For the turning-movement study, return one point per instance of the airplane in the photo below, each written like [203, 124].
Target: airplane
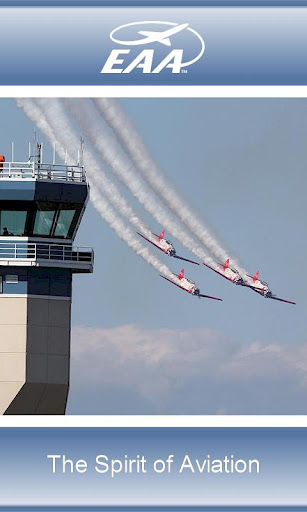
[256, 284]
[188, 286]
[165, 246]
[261, 287]
[227, 272]
[153, 36]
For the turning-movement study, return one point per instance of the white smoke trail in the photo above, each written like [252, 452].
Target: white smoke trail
[127, 235]
[134, 146]
[99, 178]
[106, 145]
[54, 133]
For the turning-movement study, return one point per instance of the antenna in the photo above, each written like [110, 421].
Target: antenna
[12, 152]
[82, 151]
[29, 151]
[34, 142]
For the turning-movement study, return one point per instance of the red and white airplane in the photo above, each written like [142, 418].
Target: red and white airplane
[226, 271]
[262, 288]
[165, 246]
[188, 286]
[253, 282]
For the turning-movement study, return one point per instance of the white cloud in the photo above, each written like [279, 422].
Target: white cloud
[133, 369]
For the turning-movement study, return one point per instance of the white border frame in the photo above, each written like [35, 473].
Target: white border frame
[176, 421]
[148, 421]
[152, 91]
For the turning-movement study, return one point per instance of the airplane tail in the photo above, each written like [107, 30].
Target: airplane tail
[161, 236]
[181, 274]
[226, 264]
[256, 276]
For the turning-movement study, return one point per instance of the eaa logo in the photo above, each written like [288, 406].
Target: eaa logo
[173, 46]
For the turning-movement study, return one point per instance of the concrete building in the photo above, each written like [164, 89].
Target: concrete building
[41, 206]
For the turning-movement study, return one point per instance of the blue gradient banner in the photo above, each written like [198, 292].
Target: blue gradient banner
[153, 467]
[153, 46]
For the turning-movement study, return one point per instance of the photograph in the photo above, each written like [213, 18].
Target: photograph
[186, 219]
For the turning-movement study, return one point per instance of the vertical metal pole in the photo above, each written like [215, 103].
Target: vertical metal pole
[35, 145]
[12, 152]
[82, 152]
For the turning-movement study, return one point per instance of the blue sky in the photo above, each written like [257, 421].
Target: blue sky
[241, 164]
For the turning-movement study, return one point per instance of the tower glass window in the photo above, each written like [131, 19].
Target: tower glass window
[39, 218]
[64, 222]
[43, 221]
[12, 223]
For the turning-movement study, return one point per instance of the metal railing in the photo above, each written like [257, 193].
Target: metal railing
[35, 251]
[35, 171]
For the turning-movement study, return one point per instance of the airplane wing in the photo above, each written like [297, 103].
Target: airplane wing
[153, 243]
[252, 287]
[273, 297]
[170, 281]
[208, 297]
[163, 37]
[220, 273]
[156, 37]
[205, 296]
[282, 300]
[147, 239]
[184, 259]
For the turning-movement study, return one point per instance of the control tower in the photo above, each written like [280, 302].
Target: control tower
[41, 206]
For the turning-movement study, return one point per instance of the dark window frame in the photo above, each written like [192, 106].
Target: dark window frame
[32, 207]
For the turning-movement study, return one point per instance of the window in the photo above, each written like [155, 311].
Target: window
[57, 220]
[64, 222]
[39, 218]
[13, 222]
[1, 284]
[43, 221]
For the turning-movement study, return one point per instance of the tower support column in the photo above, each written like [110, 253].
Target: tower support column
[34, 354]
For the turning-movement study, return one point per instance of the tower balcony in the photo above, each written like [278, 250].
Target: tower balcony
[42, 172]
[40, 254]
